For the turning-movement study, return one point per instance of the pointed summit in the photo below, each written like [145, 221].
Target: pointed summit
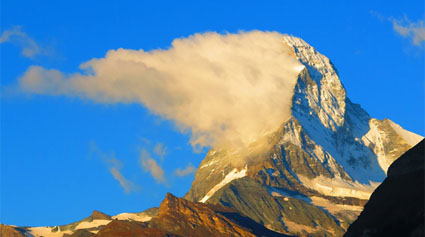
[97, 215]
[324, 162]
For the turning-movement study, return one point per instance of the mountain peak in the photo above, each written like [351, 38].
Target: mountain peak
[328, 157]
[97, 215]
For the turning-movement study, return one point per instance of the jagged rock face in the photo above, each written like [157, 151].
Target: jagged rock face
[326, 159]
[185, 218]
[396, 208]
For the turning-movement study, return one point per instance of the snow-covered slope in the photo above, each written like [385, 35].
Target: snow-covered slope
[133, 217]
[232, 175]
[329, 150]
[411, 138]
[90, 224]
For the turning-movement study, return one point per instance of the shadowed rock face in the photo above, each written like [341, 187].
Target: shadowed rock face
[10, 231]
[396, 208]
[182, 217]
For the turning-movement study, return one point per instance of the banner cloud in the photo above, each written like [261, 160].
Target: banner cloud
[225, 90]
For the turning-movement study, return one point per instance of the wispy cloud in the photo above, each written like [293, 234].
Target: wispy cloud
[187, 171]
[127, 185]
[29, 48]
[114, 165]
[410, 29]
[223, 89]
[160, 150]
[150, 165]
[415, 31]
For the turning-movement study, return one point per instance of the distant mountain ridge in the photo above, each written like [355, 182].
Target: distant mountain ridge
[324, 162]
[174, 217]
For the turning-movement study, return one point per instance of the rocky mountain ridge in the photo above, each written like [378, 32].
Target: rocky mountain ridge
[328, 157]
[174, 217]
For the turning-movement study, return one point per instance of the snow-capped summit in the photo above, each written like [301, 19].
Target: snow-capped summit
[324, 162]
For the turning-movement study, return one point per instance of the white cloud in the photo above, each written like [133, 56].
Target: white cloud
[160, 150]
[186, 171]
[151, 166]
[125, 183]
[408, 29]
[405, 27]
[15, 35]
[226, 90]
[114, 165]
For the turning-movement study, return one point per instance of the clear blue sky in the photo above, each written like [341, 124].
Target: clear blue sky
[56, 152]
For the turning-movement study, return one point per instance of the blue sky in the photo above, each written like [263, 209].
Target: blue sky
[59, 154]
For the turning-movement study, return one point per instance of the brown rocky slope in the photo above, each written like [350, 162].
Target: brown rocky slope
[175, 217]
[182, 217]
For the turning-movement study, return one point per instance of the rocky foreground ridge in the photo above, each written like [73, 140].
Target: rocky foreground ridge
[174, 217]
[396, 207]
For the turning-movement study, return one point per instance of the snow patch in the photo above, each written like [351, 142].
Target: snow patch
[411, 138]
[333, 207]
[338, 187]
[209, 164]
[377, 137]
[133, 217]
[299, 68]
[92, 224]
[232, 175]
[280, 192]
[47, 231]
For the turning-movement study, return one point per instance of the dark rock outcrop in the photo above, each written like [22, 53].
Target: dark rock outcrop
[396, 208]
